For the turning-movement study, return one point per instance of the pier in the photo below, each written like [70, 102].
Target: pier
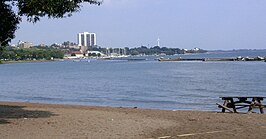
[258, 58]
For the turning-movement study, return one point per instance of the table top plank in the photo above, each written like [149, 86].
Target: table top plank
[241, 97]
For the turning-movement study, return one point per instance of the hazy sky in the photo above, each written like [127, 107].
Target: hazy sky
[208, 24]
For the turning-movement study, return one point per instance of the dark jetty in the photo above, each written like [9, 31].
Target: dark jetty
[258, 58]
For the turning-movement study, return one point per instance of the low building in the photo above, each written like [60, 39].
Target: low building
[22, 44]
[74, 46]
[95, 53]
[74, 55]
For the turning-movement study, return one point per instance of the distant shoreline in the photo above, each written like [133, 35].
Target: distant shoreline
[27, 61]
[237, 57]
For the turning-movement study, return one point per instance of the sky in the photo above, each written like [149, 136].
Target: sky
[207, 24]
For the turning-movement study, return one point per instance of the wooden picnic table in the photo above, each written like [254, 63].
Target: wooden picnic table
[232, 104]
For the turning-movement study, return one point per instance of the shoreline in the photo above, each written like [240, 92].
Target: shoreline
[36, 120]
[28, 61]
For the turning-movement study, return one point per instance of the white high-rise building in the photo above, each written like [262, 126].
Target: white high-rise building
[87, 40]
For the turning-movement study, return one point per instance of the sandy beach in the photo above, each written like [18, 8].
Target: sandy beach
[32, 121]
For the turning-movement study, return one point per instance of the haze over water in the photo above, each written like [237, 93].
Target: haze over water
[143, 84]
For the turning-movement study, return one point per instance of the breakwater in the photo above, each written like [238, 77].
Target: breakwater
[258, 58]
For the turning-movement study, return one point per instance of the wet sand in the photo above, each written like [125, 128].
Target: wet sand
[34, 121]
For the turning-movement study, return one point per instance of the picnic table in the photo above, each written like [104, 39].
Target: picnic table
[232, 104]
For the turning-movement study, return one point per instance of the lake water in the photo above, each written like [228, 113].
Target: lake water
[143, 84]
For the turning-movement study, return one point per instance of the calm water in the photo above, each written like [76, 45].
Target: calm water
[144, 84]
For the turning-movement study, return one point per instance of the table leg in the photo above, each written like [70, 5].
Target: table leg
[233, 105]
[225, 104]
[261, 110]
[251, 105]
[260, 106]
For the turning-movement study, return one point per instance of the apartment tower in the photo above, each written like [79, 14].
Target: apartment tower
[86, 40]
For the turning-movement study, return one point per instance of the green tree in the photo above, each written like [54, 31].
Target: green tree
[8, 24]
[33, 10]
[30, 54]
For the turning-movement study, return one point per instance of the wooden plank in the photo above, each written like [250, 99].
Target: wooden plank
[242, 97]
[241, 107]
[225, 107]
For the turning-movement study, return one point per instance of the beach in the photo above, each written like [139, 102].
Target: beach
[31, 121]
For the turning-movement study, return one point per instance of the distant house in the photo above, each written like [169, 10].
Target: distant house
[22, 44]
[75, 54]
[95, 53]
[196, 49]
[74, 46]
[78, 54]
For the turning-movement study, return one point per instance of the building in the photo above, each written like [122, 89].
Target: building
[95, 53]
[22, 44]
[86, 41]
[74, 55]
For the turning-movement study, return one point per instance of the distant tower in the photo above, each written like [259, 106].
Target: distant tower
[158, 42]
[87, 40]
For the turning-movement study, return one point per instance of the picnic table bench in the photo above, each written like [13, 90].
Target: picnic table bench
[232, 104]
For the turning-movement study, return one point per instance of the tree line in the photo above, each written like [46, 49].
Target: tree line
[10, 53]
[156, 50]
[143, 50]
